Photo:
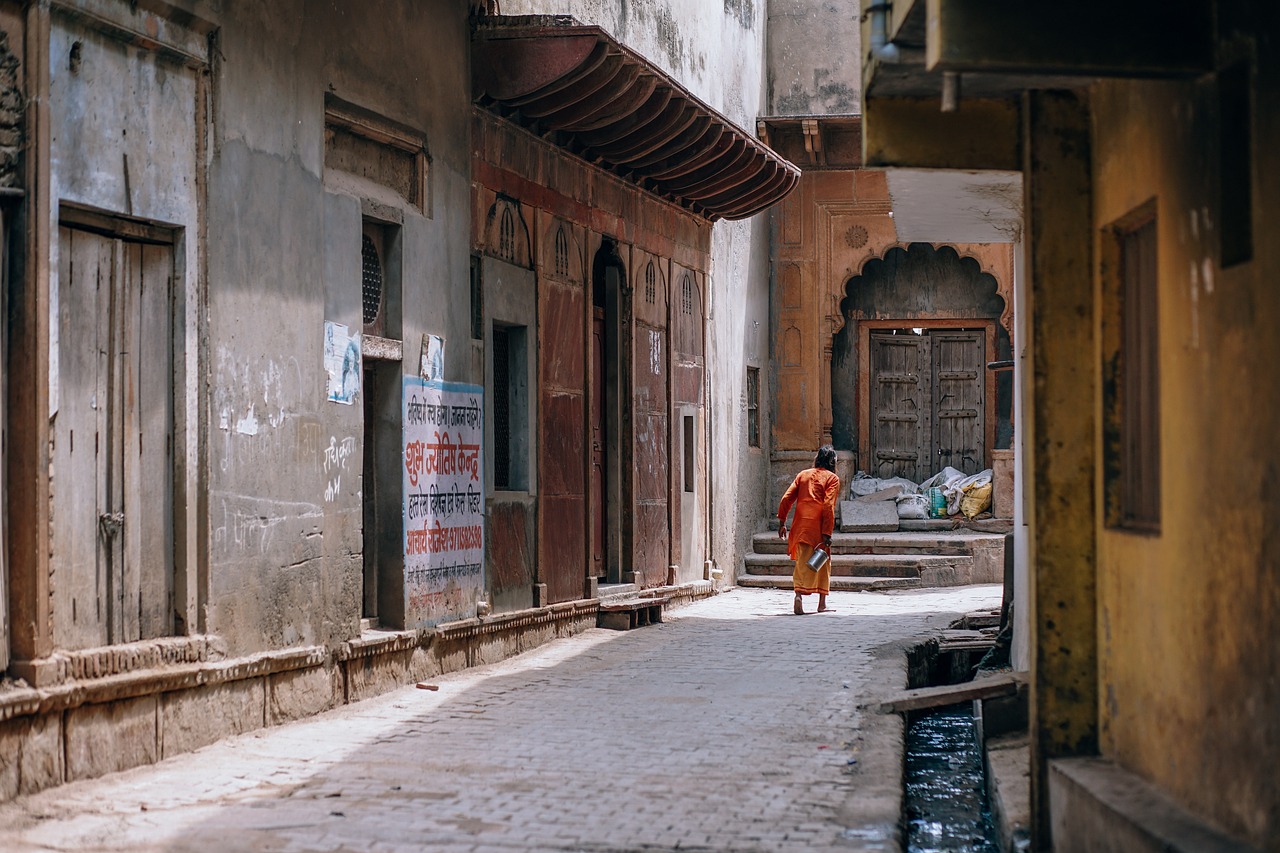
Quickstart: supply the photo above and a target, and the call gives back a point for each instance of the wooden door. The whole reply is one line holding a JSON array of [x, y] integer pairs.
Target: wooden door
[[959, 403], [928, 402], [113, 441], [598, 509], [900, 402]]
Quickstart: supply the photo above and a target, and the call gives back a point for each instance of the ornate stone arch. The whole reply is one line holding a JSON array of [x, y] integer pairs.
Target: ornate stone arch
[[506, 234], [561, 252], [916, 282]]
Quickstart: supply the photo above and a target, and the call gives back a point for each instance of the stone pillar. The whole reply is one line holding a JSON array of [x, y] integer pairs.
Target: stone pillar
[[1061, 441]]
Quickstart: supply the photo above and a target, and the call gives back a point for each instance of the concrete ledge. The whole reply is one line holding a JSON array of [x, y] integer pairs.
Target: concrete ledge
[[1008, 761], [148, 682], [1099, 807]]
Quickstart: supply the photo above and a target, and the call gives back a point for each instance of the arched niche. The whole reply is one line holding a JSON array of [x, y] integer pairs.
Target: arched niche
[[506, 234], [916, 284]]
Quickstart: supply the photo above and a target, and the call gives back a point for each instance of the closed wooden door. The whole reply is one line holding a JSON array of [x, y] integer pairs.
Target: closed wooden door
[[598, 508], [927, 400], [958, 400], [113, 440]]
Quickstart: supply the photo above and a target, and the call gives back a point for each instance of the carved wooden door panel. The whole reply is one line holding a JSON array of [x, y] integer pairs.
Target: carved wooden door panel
[[958, 400], [113, 440], [900, 406]]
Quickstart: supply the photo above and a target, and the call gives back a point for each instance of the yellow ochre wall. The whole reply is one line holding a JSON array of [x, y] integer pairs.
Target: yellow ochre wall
[[1189, 656]]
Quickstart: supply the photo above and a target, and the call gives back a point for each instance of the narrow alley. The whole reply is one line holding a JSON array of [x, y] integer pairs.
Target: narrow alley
[[733, 725]]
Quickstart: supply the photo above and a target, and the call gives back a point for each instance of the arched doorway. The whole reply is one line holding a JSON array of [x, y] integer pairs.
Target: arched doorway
[[608, 537], [910, 389]]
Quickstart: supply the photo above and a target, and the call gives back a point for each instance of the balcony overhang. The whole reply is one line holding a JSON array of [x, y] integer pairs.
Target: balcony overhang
[[943, 79], [580, 88]]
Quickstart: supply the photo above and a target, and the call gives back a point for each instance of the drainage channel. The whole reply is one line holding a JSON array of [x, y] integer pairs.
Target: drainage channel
[[946, 793]]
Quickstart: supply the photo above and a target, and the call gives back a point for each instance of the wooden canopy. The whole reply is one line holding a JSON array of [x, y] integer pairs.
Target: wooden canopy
[[577, 86]]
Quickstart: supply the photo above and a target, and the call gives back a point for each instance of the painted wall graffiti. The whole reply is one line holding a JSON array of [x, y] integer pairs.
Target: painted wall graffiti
[[334, 465], [443, 500]]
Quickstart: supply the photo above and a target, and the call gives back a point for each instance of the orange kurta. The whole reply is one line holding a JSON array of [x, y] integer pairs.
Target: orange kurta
[[814, 492]]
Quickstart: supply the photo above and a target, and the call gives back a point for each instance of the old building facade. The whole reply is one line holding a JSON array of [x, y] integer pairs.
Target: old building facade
[[1144, 136], [345, 349]]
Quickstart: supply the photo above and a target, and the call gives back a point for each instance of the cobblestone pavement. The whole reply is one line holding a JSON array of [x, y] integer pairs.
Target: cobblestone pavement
[[732, 726]]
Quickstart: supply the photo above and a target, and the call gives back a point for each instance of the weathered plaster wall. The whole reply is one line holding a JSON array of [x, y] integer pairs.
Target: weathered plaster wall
[[284, 463], [717, 52], [1189, 668], [814, 56]]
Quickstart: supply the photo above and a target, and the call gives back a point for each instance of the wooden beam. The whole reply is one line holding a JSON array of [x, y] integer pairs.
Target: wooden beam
[[915, 133], [990, 687], [1093, 38]]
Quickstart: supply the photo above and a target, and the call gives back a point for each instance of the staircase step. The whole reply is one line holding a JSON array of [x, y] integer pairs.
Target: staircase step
[[961, 544], [838, 584], [858, 565]]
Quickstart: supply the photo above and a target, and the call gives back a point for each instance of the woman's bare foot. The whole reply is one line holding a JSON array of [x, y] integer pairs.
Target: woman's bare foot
[[822, 604], [799, 608]]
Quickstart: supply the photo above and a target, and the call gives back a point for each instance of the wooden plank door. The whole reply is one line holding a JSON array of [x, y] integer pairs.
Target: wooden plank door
[[113, 441], [900, 406], [959, 404]]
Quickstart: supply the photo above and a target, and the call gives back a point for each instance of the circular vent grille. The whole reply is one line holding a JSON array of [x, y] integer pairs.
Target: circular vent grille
[[370, 281]]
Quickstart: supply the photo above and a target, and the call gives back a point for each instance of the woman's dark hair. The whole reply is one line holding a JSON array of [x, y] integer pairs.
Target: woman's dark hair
[[826, 458]]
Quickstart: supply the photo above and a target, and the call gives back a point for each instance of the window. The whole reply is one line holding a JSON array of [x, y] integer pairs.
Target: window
[[1235, 166], [1131, 376], [510, 408], [370, 281], [501, 408], [686, 289], [507, 236], [562, 253], [650, 284], [753, 406], [477, 300], [688, 453]]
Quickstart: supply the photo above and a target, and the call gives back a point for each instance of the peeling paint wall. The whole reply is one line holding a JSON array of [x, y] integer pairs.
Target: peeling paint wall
[[814, 56], [285, 464], [1188, 663], [717, 52]]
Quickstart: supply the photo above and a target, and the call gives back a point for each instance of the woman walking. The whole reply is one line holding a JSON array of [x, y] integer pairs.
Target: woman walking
[[813, 492]]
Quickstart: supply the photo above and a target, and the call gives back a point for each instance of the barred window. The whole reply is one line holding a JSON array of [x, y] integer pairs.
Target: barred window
[[507, 236], [370, 280], [753, 406], [650, 284], [562, 253], [686, 287]]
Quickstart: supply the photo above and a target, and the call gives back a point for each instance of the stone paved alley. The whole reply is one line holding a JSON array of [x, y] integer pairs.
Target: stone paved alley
[[732, 726]]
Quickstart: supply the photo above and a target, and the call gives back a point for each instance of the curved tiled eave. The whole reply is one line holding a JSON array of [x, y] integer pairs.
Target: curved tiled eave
[[578, 87]]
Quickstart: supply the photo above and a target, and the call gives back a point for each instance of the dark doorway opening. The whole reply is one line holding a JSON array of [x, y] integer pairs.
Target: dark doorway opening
[[607, 417]]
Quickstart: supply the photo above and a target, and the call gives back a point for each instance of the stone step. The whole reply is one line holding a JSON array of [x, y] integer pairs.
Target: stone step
[[838, 584], [931, 570], [886, 543]]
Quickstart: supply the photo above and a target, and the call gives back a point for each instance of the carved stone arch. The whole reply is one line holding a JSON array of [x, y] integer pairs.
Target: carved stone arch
[[686, 296], [649, 286], [915, 284], [506, 234], [562, 252]]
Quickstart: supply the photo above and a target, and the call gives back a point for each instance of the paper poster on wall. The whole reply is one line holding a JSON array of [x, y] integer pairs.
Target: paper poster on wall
[[431, 365], [341, 363], [443, 501]]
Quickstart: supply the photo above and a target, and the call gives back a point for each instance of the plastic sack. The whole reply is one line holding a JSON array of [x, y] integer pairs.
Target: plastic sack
[[863, 485], [957, 491], [942, 479], [976, 500], [913, 506]]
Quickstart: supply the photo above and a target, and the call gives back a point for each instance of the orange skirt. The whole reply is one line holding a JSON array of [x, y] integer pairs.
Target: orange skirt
[[805, 580]]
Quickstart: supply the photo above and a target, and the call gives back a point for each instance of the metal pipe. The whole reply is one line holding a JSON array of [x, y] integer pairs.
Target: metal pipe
[[881, 48]]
